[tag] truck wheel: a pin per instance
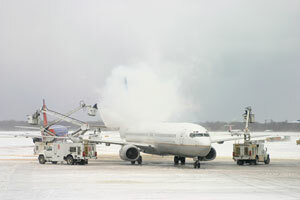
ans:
(256, 160)
(54, 162)
(268, 160)
(42, 159)
(70, 160)
(82, 162)
(86, 162)
(240, 162)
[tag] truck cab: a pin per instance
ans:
(251, 152)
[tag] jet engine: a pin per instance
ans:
(210, 156)
(129, 153)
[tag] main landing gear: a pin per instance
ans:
(197, 164)
(139, 161)
(177, 159)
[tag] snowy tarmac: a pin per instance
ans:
(108, 177)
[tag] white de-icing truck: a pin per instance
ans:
(72, 153)
(250, 152)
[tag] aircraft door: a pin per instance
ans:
(181, 136)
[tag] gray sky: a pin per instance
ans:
(225, 55)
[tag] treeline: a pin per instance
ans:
(271, 126)
(211, 126)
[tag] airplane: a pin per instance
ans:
(233, 132)
(295, 121)
(182, 140)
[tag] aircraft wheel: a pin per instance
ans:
(42, 159)
(132, 162)
(140, 160)
(197, 164)
(256, 160)
(70, 160)
(176, 160)
(182, 160)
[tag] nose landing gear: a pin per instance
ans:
(139, 161)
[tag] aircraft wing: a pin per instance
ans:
(120, 142)
(28, 127)
(222, 140)
(29, 135)
(97, 126)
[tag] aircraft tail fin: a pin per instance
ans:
(229, 127)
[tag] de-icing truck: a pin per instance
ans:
(72, 153)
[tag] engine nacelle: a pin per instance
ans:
(129, 153)
(210, 156)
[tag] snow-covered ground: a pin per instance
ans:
(108, 177)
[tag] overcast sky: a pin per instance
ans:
(224, 55)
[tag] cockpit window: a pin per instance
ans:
(197, 134)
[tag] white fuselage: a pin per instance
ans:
(181, 139)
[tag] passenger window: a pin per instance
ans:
(192, 135)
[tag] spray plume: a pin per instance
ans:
(137, 94)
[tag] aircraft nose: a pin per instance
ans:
(204, 141)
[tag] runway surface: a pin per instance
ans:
(157, 178)
(108, 177)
